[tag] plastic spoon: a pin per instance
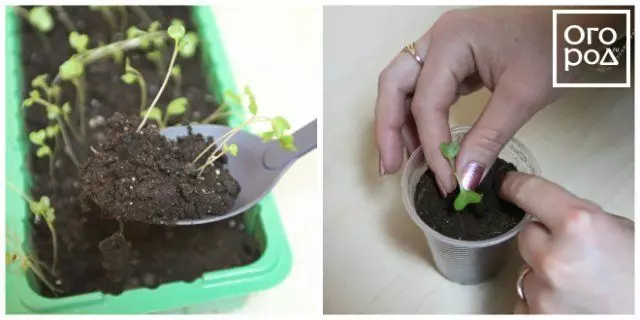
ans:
(258, 166)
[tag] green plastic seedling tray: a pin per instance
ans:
(214, 291)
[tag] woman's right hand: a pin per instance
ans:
(581, 258)
(505, 49)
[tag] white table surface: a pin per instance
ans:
(375, 259)
(277, 51)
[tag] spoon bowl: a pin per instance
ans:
(258, 166)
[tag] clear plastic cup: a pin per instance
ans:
(466, 262)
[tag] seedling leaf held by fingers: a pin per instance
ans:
(465, 197)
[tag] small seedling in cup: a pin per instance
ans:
(465, 197)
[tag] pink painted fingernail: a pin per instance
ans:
(471, 175)
(381, 167)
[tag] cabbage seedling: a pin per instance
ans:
(279, 127)
(188, 49)
(53, 113)
(73, 70)
(26, 262)
(41, 20)
(43, 209)
(176, 32)
(176, 107)
(224, 109)
(131, 76)
(465, 197)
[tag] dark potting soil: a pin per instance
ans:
(142, 176)
(91, 254)
(488, 219)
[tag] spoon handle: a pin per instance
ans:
(305, 140)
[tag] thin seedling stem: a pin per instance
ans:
(164, 84)
(64, 17)
(124, 18)
(52, 159)
(45, 41)
(251, 120)
(216, 114)
(80, 101)
(40, 275)
(24, 13)
(143, 88)
(72, 155)
(142, 15)
(19, 192)
(74, 132)
(98, 53)
(54, 241)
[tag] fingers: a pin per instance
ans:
(501, 119)
(559, 211)
(437, 89)
(533, 240)
(395, 83)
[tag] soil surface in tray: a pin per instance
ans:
(142, 176)
(92, 255)
(488, 219)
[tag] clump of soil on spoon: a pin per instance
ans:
(488, 219)
(143, 176)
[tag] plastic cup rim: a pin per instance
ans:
(410, 207)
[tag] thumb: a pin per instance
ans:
(504, 115)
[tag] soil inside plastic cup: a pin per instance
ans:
(462, 261)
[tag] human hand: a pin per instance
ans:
(506, 49)
(581, 258)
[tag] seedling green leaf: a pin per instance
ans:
(450, 151)
(79, 41)
(134, 32)
(34, 95)
(52, 131)
(55, 91)
(253, 106)
(466, 197)
(41, 82)
(286, 142)
(155, 114)
(155, 56)
(128, 78)
(71, 69)
(176, 31)
(234, 97)
(177, 107)
(37, 137)
(41, 19)
(232, 149)
(66, 108)
(40, 207)
(176, 71)
(267, 136)
(279, 126)
(53, 112)
(189, 45)
(43, 151)
(154, 26)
